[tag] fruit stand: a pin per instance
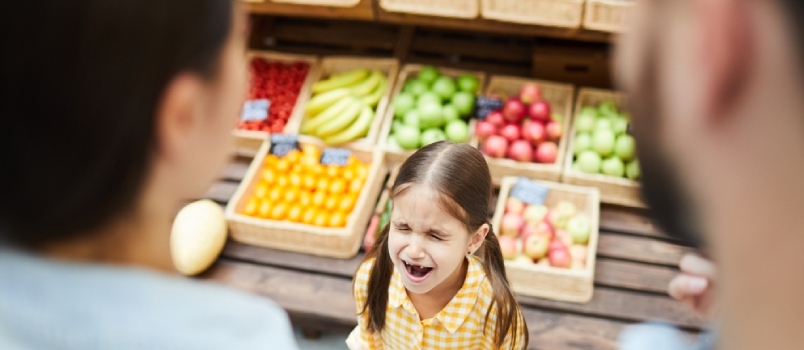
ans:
(374, 80)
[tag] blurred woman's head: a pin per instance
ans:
(111, 109)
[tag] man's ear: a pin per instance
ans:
(478, 238)
(178, 113)
(727, 52)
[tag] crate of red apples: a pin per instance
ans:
(548, 233)
(522, 127)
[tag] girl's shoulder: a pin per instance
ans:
(477, 271)
(361, 277)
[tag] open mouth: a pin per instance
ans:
(415, 272)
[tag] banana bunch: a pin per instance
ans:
(342, 107)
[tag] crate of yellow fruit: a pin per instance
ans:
(300, 196)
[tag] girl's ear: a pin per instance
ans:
(477, 238)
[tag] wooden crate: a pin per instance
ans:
(614, 190)
(444, 8)
(607, 15)
(553, 13)
(547, 281)
(389, 67)
(334, 3)
(560, 98)
(330, 242)
(249, 141)
(581, 64)
(396, 155)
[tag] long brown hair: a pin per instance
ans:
(459, 173)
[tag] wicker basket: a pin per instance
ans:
(330, 242)
(396, 155)
(334, 3)
(607, 15)
(614, 190)
(554, 13)
(249, 141)
(546, 281)
(560, 98)
(388, 66)
(444, 8)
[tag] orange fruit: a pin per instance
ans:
(270, 160)
(279, 211)
(295, 180)
(309, 216)
(268, 176)
(261, 190)
(353, 160)
(308, 160)
(295, 213)
(347, 203)
(323, 184)
(348, 173)
(332, 202)
(319, 198)
(282, 165)
(311, 151)
(291, 195)
(293, 156)
(337, 219)
(305, 198)
(355, 186)
(265, 209)
(361, 171)
(333, 171)
(282, 181)
(321, 219)
(309, 182)
(337, 186)
(275, 195)
(251, 206)
(316, 169)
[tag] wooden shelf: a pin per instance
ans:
(364, 10)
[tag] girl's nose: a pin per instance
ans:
(415, 249)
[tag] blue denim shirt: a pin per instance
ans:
(47, 304)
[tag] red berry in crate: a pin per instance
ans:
(520, 150)
(554, 130)
(547, 152)
(533, 132)
(496, 118)
(540, 111)
(511, 132)
(514, 110)
(530, 93)
(484, 129)
(495, 146)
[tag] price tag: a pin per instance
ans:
(255, 110)
(529, 191)
(485, 105)
(281, 144)
(335, 156)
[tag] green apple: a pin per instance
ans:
(579, 229)
(607, 108)
(613, 166)
(457, 131)
(625, 147)
(589, 162)
(602, 124)
(450, 113)
(619, 125)
(468, 83)
(432, 135)
(428, 74)
(428, 98)
(407, 137)
(585, 122)
(464, 102)
(603, 142)
(444, 87)
(396, 125)
(583, 142)
(403, 103)
(392, 142)
(430, 115)
(632, 170)
(411, 118)
(415, 87)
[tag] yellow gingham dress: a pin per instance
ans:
(458, 326)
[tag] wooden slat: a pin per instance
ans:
(629, 220)
(363, 11)
(633, 276)
(362, 34)
(474, 47)
(222, 191)
(640, 249)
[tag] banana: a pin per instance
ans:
(374, 98)
(370, 84)
(341, 121)
(341, 80)
(355, 131)
(322, 101)
(311, 123)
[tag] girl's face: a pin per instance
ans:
(426, 244)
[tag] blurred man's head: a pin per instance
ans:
(716, 92)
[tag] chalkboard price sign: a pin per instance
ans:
(255, 110)
(335, 156)
(529, 191)
(281, 144)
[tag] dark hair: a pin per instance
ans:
(82, 82)
(461, 176)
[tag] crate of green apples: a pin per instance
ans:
(526, 137)
(548, 234)
(601, 151)
(430, 104)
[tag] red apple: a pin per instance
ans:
(495, 146)
(563, 237)
(557, 244)
(527, 230)
(554, 130)
(536, 246)
(540, 111)
(557, 220)
(560, 258)
(514, 110)
(484, 129)
(515, 206)
(496, 118)
(521, 150)
(534, 214)
(511, 224)
(544, 228)
(508, 247)
(547, 152)
(530, 93)
(511, 132)
(533, 132)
